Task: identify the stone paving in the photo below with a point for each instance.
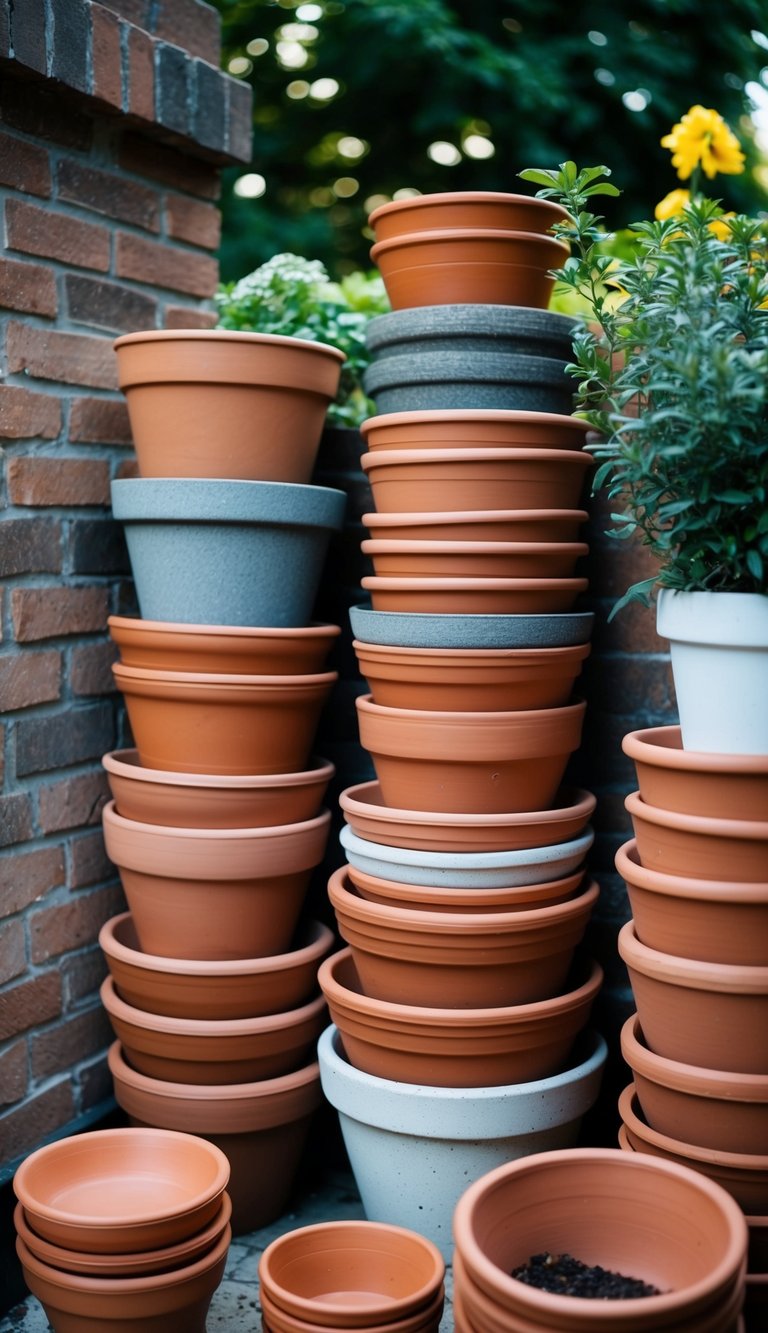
(235, 1306)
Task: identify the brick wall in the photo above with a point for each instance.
(114, 121)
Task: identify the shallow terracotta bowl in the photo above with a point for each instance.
(464, 208)
(408, 480)
(167, 645)
(482, 525)
(722, 786)
(700, 846)
(480, 559)
(438, 595)
(479, 428)
(433, 898)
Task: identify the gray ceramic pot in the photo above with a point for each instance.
(411, 630)
(226, 552)
(424, 380)
(507, 329)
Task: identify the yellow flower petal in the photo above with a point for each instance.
(702, 138)
(672, 205)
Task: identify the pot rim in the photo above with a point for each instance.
(682, 886)
(473, 516)
(753, 830)
(226, 335)
(118, 762)
(461, 719)
(648, 745)
(321, 938)
(693, 1079)
(582, 801)
(575, 652)
(464, 196)
(224, 502)
(218, 1028)
(504, 416)
(467, 860)
(437, 583)
(125, 1286)
(471, 235)
(729, 978)
(298, 1080)
(136, 826)
(406, 546)
(232, 679)
(316, 629)
(730, 1161)
(402, 457)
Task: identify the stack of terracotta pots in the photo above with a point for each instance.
(697, 954)
(217, 819)
(459, 1003)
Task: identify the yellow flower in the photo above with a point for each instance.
(702, 138)
(672, 205)
(719, 227)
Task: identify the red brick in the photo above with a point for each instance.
(240, 119)
(192, 25)
(25, 1126)
(73, 803)
(72, 358)
(75, 735)
(48, 613)
(13, 953)
(188, 317)
(99, 421)
(106, 56)
(135, 11)
(69, 1042)
(83, 973)
(41, 113)
(128, 468)
(58, 481)
(24, 166)
(15, 819)
(173, 169)
(107, 193)
(165, 266)
(108, 305)
(28, 287)
(25, 415)
(40, 231)
(95, 1083)
(29, 1003)
(30, 545)
(63, 927)
(25, 877)
(193, 221)
(91, 669)
(141, 74)
(88, 861)
(29, 678)
(14, 1074)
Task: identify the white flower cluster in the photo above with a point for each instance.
(280, 271)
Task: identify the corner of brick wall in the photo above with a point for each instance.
(114, 122)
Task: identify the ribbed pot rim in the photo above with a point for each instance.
(704, 826)
(122, 764)
(693, 1079)
(649, 746)
(565, 653)
(474, 515)
(407, 546)
(175, 629)
(81, 1284)
(237, 681)
(219, 1029)
(727, 978)
(491, 322)
(386, 458)
(465, 367)
(319, 941)
(503, 416)
(568, 802)
(236, 835)
(680, 886)
(729, 1161)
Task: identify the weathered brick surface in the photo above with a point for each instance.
(24, 166)
(58, 481)
(106, 56)
(95, 1083)
(22, 1128)
(141, 74)
(108, 305)
(69, 51)
(75, 1039)
(240, 123)
(26, 1004)
(30, 546)
(43, 116)
(193, 221)
(42, 231)
(191, 24)
(50, 742)
(29, 678)
(70, 358)
(73, 802)
(97, 546)
(24, 415)
(91, 669)
(173, 169)
(88, 860)
(28, 287)
(26, 877)
(15, 819)
(13, 953)
(108, 193)
(14, 1075)
(135, 11)
(83, 972)
(211, 104)
(165, 266)
(60, 928)
(28, 34)
(48, 613)
(189, 317)
(172, 91)
(99, 421)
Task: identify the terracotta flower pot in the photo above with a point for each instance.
(452, 960)
(482, 596)
(466, 429)
(430, 898)
(609, 1208)
(370, 818)
(214, 800)
(426, 1320)
(482, 560)
(455, 1048)
(154, 1303)
(219, 403)
(407, 480)
(228, 649)
(464, 208)
(116, 1191)
(710, 1014)
(700, 846)
(492, 679)
(723, 786)
(484, 763)
(468, 265)
(743, 1175)
(231, 988)
(716, 921)
(196, 722)
(480, 525)
(214, 893)
(261, 1128)
(709, 1107)
(351, 1274)
(126, 1265)
(214, 1051)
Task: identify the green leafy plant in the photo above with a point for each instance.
(672, 371)
(295, 297)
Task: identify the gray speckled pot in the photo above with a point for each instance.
(212, 552)
(471, 328)
(423, 380)
(411, 630)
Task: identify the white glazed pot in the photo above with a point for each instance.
(414, 1149)
(719, 649)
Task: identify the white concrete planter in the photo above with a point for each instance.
(415, 1149)
(719, 649)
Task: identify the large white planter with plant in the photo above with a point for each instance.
(414, 1149)
(718, 644)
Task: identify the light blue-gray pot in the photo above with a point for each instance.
(427, 380)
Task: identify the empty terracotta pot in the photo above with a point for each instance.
(481, 525)
(425, 1320)
(492, 679)
(230, 988)
(447, 960)
(431, 898)
(220, 403)
(710, 1014)
(115, 1191)
(743, 1175)
(708, 1107)
(351, 1274)
(463, 266)
(700, 846)
(370, 818)
(464, 208)
(404, 480)
(716, 921)
(214, 800)
(165, 645)
(214, 893)
(482, 560)
(261, 1127)
(455, 1048)
(472, 596)
(723, 786)
(126, 1265)
(604, 1207)
(214, 1051)
(463, 428)
(196, 722)
(475, 763)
